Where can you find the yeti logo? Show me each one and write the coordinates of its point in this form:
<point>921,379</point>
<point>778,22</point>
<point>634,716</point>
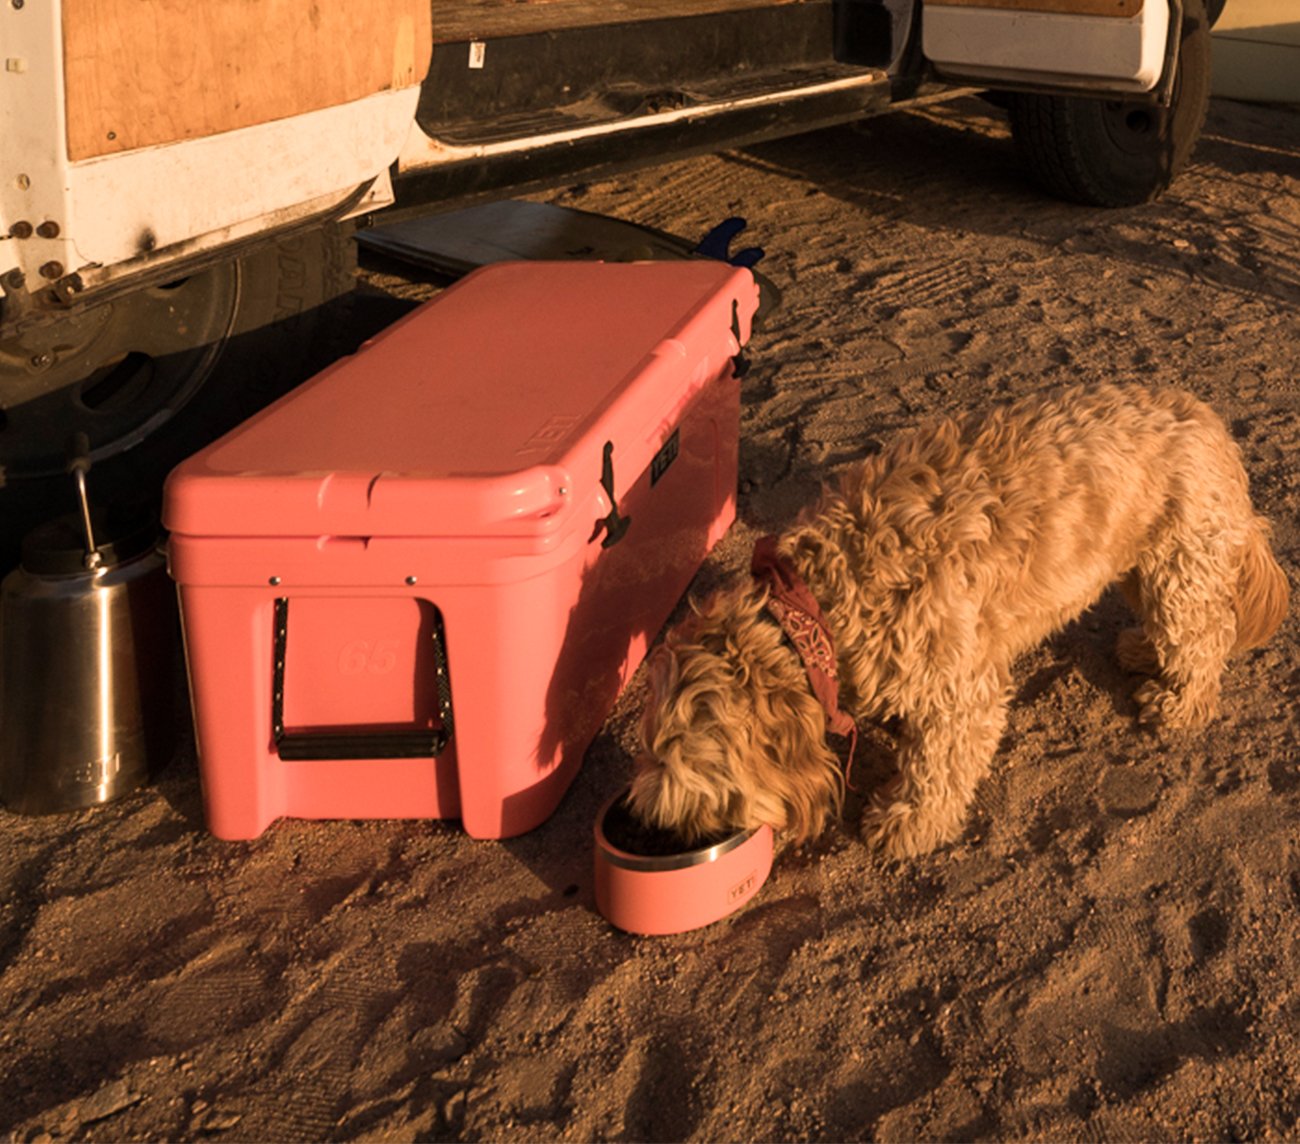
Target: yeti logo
<point>665,457</point>
<point>743,887</point>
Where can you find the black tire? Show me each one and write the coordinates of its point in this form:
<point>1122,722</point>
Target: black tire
<point>1112,153</point>
<point>154,376</point>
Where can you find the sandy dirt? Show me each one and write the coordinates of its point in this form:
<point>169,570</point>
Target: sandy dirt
<point>1111,951</point>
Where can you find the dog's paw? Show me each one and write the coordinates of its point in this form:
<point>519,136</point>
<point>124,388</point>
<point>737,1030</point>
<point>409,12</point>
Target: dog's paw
<point>1136,653</point>
<point>898,830</point>
<point>1163,708</point>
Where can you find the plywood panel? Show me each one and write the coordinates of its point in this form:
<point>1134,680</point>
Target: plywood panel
<point>144,72</point>
<point>1117,8</point>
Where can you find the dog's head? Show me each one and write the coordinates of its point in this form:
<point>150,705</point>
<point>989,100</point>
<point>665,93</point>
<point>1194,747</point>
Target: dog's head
<point>733,737</point>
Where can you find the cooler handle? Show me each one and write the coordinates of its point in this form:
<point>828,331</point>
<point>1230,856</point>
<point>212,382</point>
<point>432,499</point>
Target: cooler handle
<point>409,744</point>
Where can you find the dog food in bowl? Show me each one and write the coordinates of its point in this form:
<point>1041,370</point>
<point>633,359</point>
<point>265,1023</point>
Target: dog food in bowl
<point>647,882</point>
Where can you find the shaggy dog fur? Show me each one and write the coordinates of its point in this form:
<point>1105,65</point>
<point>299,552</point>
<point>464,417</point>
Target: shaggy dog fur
<point>938,561</point>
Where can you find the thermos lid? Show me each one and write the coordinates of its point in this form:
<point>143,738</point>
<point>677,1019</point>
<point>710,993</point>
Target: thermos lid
<point>58,547</point>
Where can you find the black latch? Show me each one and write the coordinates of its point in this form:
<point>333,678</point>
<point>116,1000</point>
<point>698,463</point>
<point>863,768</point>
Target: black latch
<point>739,363</point>
<point>615,526</point>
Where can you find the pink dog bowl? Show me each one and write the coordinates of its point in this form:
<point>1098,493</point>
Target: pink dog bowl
<point>645,884</point>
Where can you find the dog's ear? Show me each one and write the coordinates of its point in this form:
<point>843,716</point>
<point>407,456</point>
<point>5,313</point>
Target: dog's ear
<point>797,784</point>
<point>689,736</point>
<point>661,674</point>
<point>661,681</point>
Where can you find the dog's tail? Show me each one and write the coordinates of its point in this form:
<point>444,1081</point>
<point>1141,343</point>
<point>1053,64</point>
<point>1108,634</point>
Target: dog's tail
<point>1262,591</point>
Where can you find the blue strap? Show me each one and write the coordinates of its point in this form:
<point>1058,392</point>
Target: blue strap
<point>717,244</point>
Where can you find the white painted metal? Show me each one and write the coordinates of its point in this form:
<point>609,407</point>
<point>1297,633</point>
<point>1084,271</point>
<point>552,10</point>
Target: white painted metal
<point>1257,51</point>
<point>234,183</point>
<point>32,187</point>
<point>120,213</point>
<point>379,195</point>
<point>1100,53</point>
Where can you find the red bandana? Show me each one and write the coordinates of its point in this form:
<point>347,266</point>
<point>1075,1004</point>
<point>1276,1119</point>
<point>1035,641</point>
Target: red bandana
<point>793,606</point>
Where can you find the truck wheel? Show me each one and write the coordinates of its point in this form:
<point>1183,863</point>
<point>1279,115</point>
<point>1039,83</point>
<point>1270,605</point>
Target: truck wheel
<point>1112,153</point>
<point>151,376</point>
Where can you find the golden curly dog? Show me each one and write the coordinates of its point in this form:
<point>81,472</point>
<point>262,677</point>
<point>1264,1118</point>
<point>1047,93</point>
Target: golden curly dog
<point>935,563</point>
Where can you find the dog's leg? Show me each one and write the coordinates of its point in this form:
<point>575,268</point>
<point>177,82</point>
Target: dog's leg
<point>1136,653</point>
<point>944,752</point>
<point>1187,612</point>
<point>1133,647</point>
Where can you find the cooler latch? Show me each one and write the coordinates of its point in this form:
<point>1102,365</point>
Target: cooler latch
<point>739,363</point>
<point>416,743</point>
<point>615,526</point>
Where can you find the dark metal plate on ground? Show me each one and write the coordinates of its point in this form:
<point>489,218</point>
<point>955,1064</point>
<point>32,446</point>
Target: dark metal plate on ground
<point>460,241</point>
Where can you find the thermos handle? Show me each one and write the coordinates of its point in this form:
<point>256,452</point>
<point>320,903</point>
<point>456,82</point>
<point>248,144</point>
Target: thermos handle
<point>78,449</point>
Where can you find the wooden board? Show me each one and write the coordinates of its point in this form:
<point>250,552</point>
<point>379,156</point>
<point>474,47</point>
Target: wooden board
<point>144,72</point>
<point>1125,9</point>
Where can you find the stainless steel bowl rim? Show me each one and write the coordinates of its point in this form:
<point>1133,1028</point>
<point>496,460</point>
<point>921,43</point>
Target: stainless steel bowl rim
<point>657,863</point>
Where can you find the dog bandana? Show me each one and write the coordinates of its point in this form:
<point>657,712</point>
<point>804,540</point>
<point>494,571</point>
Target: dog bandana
<point>794,607</point>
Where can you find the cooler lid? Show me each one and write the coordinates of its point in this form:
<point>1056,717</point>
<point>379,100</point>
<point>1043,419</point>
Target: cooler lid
<point>465,417</point>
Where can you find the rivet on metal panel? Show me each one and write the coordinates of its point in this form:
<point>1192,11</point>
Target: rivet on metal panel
<point>14,280</point>
<point>412,580</point>
<point>21,229</point>
<point>17,4</point>
<point>48,229</point>
<point>274,581</point>
<point>22,182</point>
<point>52,270</point>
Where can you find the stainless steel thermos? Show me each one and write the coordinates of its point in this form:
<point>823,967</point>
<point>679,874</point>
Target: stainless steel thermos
<point>88,656</point>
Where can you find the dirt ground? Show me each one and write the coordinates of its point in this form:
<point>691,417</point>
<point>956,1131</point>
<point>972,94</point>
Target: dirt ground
<point>1112,950</point>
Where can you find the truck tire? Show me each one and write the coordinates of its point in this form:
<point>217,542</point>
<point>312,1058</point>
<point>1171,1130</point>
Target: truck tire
<point>152,376</point>
<point>1114,153</point>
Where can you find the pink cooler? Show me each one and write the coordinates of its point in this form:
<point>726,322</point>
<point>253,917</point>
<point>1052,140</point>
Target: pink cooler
<point>414,586</point>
